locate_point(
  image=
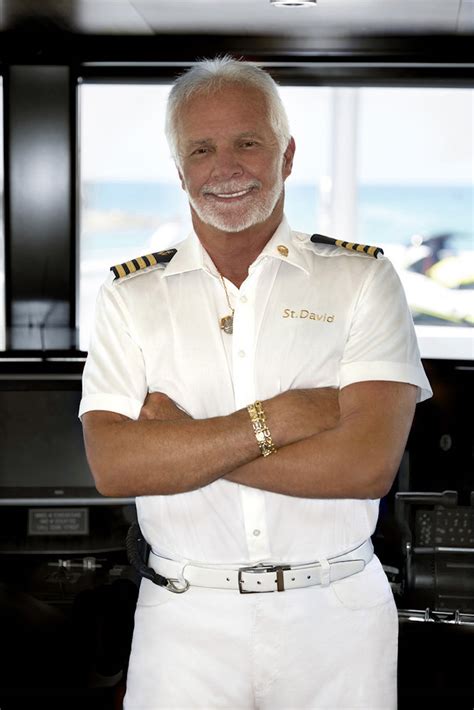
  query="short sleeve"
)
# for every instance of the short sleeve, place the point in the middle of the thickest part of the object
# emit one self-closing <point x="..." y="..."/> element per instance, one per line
<point x="114" y="374"/>
<point x="382" y="344"/>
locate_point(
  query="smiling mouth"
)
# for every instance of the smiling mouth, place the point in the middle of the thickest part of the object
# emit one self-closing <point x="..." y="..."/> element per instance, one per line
<point x="231" y="195"/>
<point x="228" y="195"/>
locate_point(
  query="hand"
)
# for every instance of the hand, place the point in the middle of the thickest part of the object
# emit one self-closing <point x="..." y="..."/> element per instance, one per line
<point x="159" y="406"/>
<point x="299" y="413"/>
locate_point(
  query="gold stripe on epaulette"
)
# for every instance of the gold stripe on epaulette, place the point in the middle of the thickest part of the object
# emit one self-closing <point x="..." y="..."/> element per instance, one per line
<point x="141" y="263"/>
<point x="121" y="271"/>
<point x="352" y="246"/>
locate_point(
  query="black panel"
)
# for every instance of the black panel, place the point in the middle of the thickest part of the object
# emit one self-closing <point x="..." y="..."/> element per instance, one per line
<point x="441" y="444"/>
<point x="68" y="48"/>
<point x="41" y="434"/>
<point x="38" y="196"/>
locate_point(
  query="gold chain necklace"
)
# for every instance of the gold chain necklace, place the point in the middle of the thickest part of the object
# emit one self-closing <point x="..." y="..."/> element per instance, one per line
<point x="227" y="322"/>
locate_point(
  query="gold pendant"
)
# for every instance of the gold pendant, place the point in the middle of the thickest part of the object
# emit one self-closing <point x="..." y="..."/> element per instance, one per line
<point x="227" y="324"/>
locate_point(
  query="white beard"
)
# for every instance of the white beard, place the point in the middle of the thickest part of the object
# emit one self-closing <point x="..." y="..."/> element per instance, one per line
<point x="234" y="217"/>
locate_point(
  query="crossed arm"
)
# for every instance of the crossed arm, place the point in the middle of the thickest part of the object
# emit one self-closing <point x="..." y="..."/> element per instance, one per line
<point x="331" y="444"/>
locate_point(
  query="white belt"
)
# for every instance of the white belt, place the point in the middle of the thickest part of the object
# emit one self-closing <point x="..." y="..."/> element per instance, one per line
<point x="264" y="577"/>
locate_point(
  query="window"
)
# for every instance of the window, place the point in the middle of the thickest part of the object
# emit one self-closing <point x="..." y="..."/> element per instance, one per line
<point x="415" y="198"/>
<point x="390" y="167"/>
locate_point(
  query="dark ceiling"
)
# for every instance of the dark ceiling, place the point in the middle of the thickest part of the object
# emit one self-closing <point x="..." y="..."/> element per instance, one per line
<point x="81" y="31"/>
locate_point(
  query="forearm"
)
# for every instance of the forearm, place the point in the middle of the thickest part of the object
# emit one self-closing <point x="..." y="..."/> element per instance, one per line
<point x="356" y="458"/>
<point x="167" y="452"/>
<point x="143" y="457"/>
<point x="321" y="466"/>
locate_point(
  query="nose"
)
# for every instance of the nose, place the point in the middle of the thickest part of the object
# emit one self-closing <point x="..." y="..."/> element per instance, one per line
<point x="226" y="165"/>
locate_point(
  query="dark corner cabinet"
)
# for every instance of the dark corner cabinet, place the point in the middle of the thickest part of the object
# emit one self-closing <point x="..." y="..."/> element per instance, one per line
<point x="67" y="591"/>
<point x="425" y="540"/>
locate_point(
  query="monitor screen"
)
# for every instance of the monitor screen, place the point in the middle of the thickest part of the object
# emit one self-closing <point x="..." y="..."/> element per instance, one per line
<point x="41" y="446"/>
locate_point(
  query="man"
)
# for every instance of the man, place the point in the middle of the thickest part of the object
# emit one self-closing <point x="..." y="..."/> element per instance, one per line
<point x="255" y="391"/>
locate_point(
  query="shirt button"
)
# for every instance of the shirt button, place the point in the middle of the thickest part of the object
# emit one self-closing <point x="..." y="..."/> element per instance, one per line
<point x="243" y="299"/>
<point x="282" y="249"/>
<point x="241" y="353"/>
<point x="256" y="533"/>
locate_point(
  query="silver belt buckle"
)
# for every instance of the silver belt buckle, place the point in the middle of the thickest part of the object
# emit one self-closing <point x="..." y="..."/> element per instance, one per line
<point x="256" y="569"/>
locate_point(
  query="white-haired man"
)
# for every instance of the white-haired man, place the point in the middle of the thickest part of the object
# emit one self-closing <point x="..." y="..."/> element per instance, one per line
<point x="255" y="391"/>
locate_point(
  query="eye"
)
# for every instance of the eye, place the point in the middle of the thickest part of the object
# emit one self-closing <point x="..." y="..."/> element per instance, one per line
<point x="202" y="150"/>
<point x="249" y="144"/>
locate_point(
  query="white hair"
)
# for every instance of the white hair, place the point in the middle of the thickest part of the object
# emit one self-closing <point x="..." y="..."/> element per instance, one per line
<point x="209" y="77"/>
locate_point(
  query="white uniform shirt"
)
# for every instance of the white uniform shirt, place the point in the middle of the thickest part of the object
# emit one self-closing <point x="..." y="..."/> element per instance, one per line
<point x="308" y="315"/>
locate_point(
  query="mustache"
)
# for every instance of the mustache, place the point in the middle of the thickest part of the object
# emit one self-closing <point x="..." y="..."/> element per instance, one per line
<point x="229" y="187"/>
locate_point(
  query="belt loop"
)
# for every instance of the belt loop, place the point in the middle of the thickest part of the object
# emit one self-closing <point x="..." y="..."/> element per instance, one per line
<point x="325" y="572"/>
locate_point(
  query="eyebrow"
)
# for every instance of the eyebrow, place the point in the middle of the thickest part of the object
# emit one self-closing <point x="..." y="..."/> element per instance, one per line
<point x="202" y="141"/>
<point x="249" y="134"/>
<point x="208" y="141"/>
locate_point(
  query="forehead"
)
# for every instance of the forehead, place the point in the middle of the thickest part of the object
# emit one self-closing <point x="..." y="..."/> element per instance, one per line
<point x="232" y="109"/>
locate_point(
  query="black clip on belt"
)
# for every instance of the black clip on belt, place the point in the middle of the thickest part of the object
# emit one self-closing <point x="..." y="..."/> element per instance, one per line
<point x="134" y="543"/>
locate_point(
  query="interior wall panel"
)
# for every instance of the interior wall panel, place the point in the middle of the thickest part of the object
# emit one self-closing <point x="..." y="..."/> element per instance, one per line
<point x="39" y="174"/>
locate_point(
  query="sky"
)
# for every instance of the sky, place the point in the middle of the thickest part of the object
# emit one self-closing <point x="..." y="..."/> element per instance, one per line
<point x="422" y="136"/>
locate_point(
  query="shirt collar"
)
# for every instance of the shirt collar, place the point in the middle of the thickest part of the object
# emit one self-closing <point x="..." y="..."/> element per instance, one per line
<point x="190" y="256"/>
<point x="284" y="245"/>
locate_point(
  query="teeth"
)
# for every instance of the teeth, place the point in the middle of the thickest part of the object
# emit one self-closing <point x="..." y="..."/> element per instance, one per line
<point x="233" y="194"/>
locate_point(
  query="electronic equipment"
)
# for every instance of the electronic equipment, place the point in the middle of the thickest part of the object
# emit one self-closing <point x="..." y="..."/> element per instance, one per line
<point x="42" y="457"/>
<point x="436" y="599"/>
<point x="438" y="550"/>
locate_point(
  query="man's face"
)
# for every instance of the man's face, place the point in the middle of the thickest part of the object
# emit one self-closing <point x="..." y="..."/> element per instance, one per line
<point x="231" y="164"/>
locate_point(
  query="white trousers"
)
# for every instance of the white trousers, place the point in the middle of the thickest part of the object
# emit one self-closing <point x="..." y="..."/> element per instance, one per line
<point x="320" y="647"/>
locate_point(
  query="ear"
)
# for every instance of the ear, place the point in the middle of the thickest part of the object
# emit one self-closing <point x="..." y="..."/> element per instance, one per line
<point x="288" y="156"/>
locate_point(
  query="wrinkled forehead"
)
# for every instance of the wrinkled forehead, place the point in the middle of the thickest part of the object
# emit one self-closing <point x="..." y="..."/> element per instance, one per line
<point x="231" y="109"/>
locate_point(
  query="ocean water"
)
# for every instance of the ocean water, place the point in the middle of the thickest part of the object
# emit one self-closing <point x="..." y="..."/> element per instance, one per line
<point x="394" y="214"/>
<point x="117" y="216"/>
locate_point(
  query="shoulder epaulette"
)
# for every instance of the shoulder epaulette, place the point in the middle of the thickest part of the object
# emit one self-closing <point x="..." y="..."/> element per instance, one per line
<point x="142" y="262"/>
<point x="362" y="248"/>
